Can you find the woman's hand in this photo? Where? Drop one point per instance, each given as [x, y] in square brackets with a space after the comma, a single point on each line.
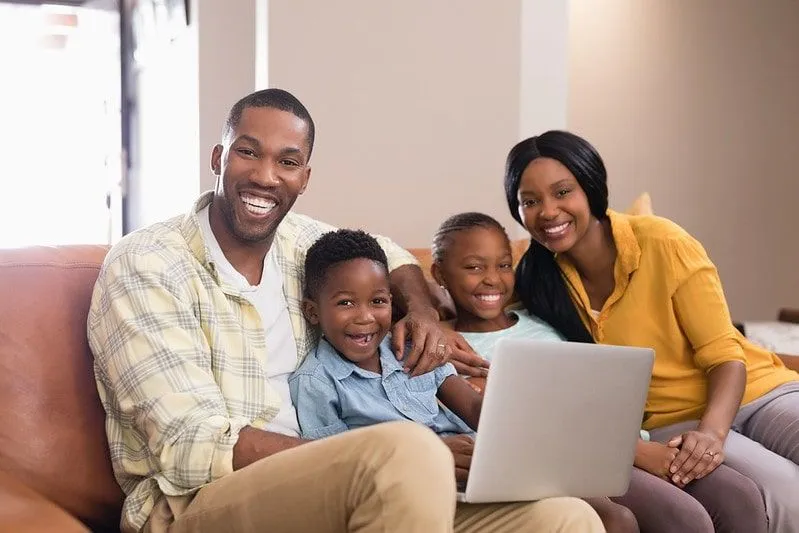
[655, 458]
[701, 452]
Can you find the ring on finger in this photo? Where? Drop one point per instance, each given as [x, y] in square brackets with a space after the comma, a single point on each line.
[711, 454]
[441, 352]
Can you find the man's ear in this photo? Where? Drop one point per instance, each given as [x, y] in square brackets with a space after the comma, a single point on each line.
[216, 159]
[311, 311]
[307, 179]
[435, 271]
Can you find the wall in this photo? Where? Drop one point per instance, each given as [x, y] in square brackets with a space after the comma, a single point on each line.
[416, 104]
[697, 103]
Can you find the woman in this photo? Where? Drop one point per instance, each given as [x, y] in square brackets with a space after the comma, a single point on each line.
[599, 276]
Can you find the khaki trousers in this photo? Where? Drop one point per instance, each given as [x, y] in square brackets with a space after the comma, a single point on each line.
[389, 477]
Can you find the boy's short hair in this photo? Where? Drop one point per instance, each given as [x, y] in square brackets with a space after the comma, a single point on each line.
[336, 247]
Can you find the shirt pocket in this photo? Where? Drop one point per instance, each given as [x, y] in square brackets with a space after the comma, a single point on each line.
[422, 391]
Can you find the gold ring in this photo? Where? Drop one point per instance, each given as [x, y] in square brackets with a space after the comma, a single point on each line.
[711, 454]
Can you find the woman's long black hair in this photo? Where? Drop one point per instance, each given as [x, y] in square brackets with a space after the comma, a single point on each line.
[539, 281]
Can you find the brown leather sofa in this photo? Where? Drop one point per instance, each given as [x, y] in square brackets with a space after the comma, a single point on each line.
[55, 472]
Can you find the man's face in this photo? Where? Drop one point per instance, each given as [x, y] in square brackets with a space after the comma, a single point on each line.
[261, 169]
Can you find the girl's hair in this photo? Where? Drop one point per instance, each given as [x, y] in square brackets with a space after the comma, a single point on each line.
[460, 222]
[539, 281]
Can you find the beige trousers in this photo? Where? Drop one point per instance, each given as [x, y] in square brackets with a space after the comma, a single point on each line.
[389, 477]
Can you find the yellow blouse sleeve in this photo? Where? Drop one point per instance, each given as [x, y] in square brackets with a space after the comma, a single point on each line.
[700, 306]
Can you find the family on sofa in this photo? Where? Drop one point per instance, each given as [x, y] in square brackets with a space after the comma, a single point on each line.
[242, 353]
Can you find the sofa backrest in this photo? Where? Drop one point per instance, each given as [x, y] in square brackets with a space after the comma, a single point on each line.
[52, 425]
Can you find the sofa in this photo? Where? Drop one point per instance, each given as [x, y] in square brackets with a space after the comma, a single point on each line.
[55, 471]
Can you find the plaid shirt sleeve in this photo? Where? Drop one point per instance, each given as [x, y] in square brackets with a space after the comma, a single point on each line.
[153, 366]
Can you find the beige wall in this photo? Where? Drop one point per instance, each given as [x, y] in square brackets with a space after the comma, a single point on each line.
[697, 102]
[416, 104]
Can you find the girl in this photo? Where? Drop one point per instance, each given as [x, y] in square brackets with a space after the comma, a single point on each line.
[600, 276]
[472, 260]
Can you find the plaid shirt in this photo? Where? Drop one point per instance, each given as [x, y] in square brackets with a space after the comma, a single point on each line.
[180, 356]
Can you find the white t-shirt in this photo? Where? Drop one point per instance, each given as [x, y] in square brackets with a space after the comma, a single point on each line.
[268, 299]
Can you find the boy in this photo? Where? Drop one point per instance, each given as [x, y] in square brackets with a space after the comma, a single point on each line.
[353, 379]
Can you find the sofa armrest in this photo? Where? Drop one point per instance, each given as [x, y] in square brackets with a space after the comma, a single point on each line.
[26, 511]
[789, 315]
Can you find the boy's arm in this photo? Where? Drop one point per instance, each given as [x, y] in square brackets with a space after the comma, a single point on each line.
[317, 404]
[461, 399]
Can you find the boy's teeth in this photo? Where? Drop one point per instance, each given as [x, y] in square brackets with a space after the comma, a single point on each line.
[362, 339]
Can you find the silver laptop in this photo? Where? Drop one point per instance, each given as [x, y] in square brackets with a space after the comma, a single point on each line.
[558, 419]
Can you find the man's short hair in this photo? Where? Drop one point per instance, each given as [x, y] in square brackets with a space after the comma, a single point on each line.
[336, 247]
[276, 99]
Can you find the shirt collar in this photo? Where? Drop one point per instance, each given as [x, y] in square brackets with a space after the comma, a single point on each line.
[341, 368]
[627, 248]
[628, 259]
[190, 229]
[628, 251]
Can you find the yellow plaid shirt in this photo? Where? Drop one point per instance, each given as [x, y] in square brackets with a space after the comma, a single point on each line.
[180, 356]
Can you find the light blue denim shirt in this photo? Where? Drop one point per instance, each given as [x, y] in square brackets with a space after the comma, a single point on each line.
[332, 394]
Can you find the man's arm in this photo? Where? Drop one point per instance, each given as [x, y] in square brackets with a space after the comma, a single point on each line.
[153, 366]
[411, 294]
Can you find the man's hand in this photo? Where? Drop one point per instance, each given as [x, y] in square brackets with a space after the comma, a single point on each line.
[255, 444]
[461, 447]
[700, 453]
[464, 358]
[429, 347]
[655, 458]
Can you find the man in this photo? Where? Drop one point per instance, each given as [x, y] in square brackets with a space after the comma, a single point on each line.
[196, 324]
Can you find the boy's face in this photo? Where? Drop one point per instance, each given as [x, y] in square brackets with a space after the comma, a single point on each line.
[353, 308]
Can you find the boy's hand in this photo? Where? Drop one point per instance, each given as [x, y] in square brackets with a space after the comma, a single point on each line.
[655, 458]
[461, 447]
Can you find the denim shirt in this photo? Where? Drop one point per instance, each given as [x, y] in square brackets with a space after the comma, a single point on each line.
[332, 394]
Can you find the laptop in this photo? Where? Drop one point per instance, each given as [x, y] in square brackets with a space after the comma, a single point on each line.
[558, 419]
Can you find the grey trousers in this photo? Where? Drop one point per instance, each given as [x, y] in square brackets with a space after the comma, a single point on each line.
[764, 446]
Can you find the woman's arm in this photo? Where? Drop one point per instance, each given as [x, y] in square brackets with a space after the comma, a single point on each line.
[702, 450]
[703, 315]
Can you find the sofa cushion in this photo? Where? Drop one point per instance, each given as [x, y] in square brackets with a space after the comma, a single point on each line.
[52, 425]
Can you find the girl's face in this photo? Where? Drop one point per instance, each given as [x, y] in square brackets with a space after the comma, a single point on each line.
[477, 270]
[552, 205]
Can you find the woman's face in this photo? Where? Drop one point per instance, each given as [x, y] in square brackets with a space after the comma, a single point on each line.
[552, 205]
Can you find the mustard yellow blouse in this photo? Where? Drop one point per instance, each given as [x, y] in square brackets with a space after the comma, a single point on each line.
[668, 296]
